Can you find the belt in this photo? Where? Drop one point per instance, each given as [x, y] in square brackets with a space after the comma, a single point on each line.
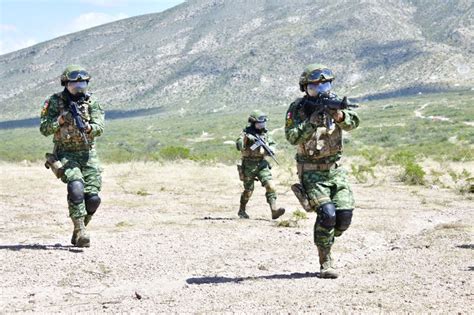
[316, 167]
[84, 148]
[253, 159]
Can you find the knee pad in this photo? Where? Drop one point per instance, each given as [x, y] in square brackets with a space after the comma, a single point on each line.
[327, 215]
[75, 191]
[92, 203]
[343, 219]
[270, 187]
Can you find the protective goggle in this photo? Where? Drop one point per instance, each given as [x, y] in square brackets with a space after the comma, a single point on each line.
[80, 75]
[320, 75]
[314, 89]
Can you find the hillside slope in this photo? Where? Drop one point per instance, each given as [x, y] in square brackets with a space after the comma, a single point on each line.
[213, 55]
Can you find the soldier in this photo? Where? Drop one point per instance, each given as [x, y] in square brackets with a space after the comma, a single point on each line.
[74, 159]
[323, 184]
[254, 165]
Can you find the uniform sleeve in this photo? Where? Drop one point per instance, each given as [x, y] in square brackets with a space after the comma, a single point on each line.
[351, 120]
[271, 143]
[97, 121]
[296, 130]
[49, 117]
[239, 143]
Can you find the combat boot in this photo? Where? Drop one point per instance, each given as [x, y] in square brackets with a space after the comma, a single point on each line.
[79, 235]
[276, 212]
[244, 199]
[242, 214]
[327, 267]
[87, 219]
[302, 197]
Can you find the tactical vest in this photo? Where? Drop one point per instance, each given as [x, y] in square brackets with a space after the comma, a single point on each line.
[258, 153]
[68, 136]
[323, 142]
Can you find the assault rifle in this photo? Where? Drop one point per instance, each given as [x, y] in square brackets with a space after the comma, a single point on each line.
[74, 107]
[259, 142]
[323, 104]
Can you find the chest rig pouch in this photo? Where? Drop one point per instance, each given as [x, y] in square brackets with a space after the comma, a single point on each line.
[254, 153]
[323, 142]
[69, 135]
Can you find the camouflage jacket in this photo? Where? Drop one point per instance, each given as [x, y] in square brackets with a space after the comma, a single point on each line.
[67, 137]
[316, 142]
[244, 142]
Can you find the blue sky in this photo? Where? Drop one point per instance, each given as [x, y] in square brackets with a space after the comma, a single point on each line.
[24, 23]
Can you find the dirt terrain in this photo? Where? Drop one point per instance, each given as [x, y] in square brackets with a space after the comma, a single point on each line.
[167, 239]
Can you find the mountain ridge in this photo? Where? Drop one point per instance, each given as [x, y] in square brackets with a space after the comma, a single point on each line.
[217, 55]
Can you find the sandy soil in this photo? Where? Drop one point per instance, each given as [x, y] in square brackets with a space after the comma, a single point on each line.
[167, 239]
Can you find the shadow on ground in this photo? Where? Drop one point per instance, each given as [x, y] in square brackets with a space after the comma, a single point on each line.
[218, 280]
[232, 219]
[218, 218]
[466, 246]
[19, 247]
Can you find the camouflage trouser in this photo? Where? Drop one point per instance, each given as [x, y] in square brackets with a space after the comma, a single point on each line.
[83, 166]
[327, 186]
[260, 170]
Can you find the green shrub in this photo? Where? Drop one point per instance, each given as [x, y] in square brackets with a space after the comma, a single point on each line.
[175, 153]
[403, 158]
[361, 172]
[413, 174]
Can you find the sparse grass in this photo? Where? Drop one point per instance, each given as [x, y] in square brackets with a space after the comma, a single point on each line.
[142, 192]
[389, 134]
[123, 224]
[299, 215]
[296, 216]
[453, 226]
[361, 172]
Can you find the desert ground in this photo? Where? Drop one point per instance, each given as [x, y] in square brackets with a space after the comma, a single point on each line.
[167, 239]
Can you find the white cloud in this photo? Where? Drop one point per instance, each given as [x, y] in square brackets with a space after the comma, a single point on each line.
[12, 39]
[91, 19]
[7, 28]
[105, 3]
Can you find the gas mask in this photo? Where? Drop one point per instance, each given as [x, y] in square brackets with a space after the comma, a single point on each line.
[77, 87]
[261, 125]
[314, 89]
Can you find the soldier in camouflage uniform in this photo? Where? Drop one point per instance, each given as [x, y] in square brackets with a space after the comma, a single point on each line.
[74, 159]
[254, 165]
[323, 186]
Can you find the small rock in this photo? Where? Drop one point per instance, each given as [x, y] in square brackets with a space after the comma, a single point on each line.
[138, 296]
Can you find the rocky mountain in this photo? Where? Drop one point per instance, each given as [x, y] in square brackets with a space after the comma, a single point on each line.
[224, 55]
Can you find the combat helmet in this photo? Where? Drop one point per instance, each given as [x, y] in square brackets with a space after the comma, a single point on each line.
[315, 73]
[257, 116]
[74, 73]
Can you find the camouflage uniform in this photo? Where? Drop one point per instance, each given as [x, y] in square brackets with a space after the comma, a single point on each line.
[256, 167]
[80, 164]
[323, 181]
